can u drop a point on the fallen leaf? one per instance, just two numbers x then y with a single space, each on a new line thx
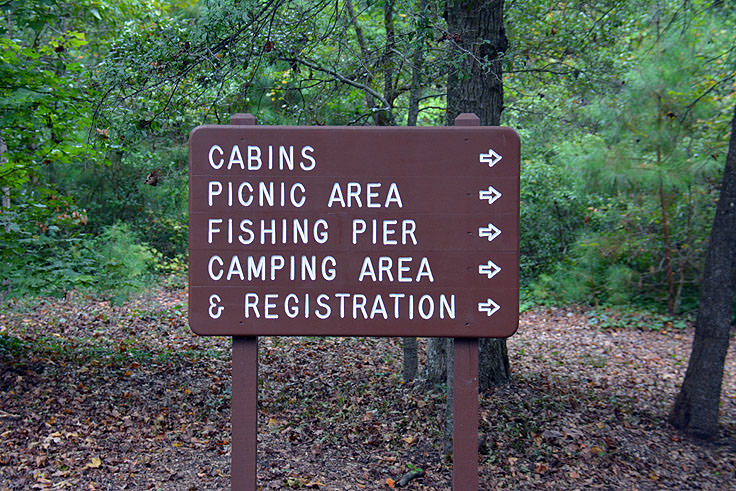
390 482
95 463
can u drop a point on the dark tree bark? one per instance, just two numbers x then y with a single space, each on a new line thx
386 115
411 360
696 407
417 67
478 41
493 363
449 411
410 344
5 190
436 366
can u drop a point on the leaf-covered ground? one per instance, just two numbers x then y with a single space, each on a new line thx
95 396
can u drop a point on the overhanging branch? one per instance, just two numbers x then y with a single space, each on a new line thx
341 78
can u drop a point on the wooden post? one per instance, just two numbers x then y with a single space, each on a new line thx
244 447
243 452
465 407
465 415
465 401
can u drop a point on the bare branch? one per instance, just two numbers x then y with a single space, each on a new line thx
341 78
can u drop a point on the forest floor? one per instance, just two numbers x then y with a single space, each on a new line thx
98 396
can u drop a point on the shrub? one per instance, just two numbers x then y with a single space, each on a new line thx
112 264
593 274
121 265
552 213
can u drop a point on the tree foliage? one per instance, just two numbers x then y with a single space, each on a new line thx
621 109
52 150
643 145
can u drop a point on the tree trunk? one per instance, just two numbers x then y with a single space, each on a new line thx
667 246
410 344
411 362
493 363
417 67
365 55
5 190
386 115
478 41
436 366
696 407
5 203
474 84
450 405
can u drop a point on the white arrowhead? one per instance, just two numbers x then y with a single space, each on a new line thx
489 307
491 158
489 269
491 231
491 195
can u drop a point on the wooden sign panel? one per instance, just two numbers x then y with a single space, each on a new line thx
354 231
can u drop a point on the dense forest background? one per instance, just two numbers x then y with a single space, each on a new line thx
623 109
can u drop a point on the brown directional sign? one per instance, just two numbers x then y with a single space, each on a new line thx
347 231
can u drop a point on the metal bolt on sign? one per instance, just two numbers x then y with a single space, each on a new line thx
354 231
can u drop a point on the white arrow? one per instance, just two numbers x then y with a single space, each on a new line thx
490 231
490 307
489 269
491 195
491 158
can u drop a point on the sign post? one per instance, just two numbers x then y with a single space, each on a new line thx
244 404
244 418
354 231
465 414
465 376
